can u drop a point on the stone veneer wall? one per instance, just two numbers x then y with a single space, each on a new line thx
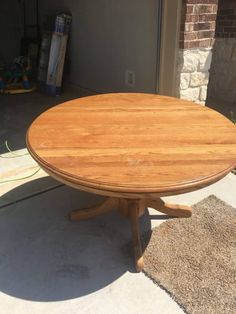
222 84
198 22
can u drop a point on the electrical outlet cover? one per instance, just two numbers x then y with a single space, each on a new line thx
130 78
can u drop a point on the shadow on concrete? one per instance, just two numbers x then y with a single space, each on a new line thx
28 190
45 257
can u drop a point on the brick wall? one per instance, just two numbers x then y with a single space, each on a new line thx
198 23
226 19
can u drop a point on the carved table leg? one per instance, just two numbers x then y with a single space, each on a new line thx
181 211
135 207
108 205
132 209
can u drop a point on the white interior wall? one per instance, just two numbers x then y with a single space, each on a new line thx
109 37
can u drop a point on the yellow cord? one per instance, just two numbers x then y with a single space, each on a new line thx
22 178
16 155
13 153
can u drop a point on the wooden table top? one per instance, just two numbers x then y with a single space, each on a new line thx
133 144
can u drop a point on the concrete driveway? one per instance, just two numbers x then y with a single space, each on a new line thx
51 265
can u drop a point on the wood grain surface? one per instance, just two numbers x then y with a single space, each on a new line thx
133 144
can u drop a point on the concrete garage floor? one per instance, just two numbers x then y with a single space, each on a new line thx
18 111
51 265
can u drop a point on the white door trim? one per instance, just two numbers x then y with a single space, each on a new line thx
169 47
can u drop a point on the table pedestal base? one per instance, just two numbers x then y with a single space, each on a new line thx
132 209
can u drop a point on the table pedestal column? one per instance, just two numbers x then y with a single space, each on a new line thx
132 209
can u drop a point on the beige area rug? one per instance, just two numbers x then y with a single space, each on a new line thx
194 259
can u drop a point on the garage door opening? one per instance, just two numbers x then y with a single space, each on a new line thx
114 45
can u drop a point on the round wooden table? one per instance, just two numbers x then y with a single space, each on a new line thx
133 148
